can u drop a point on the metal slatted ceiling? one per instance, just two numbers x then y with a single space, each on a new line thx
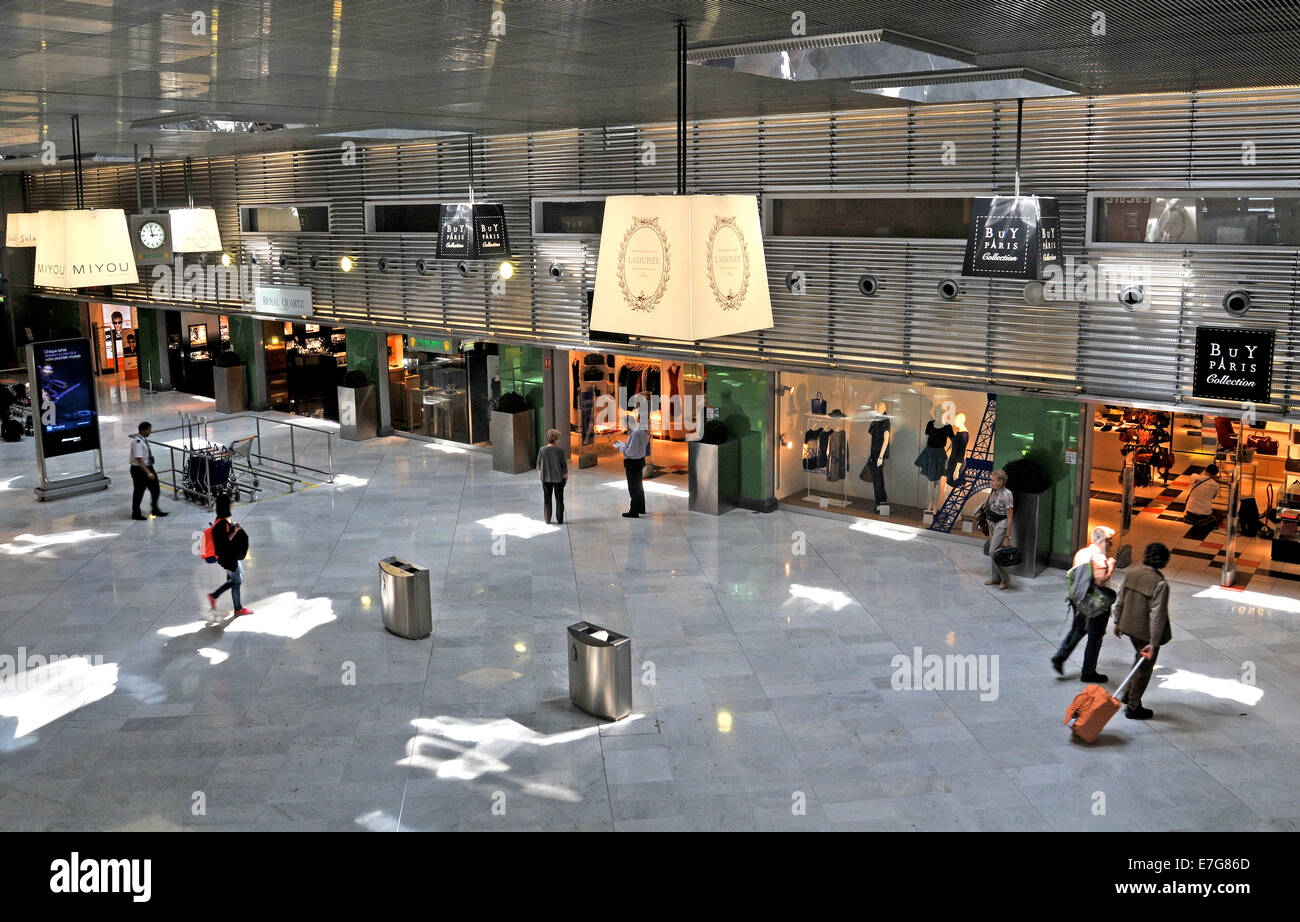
990 337
364 63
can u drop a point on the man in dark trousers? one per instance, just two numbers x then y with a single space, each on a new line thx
634 452
143 476
1142 615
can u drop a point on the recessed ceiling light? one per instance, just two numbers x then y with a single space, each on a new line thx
868 53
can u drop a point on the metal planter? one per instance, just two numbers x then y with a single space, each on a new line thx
228 389
512 442
713 476
1025 525
358 413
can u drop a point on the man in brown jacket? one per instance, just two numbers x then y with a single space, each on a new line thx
1142 615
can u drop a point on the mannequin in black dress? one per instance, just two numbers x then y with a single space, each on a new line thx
957 453
877 454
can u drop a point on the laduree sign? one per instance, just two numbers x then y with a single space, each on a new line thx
1233 364
1015 237
476 231
83 248
286 301
687 267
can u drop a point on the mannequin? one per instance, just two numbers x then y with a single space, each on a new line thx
933 459
878 454
957 457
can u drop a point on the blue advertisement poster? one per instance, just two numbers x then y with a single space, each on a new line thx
65 391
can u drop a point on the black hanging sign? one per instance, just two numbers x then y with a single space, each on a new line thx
475 231
1015 237
1233 364
456 231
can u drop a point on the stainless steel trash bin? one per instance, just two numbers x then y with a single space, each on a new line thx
600 671
404 590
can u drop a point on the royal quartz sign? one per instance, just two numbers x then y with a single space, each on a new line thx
1233 364
1014 237
686 267
293 301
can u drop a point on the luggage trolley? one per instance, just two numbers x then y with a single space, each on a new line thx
209 469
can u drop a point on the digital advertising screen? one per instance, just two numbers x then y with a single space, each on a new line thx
65 394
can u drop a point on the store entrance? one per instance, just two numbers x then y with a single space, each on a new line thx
603 387
305 364
443 389
1169 477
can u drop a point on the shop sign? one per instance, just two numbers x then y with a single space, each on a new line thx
476 231
65 397
1233 364
687 267
425 344
84 248
1015 237
288 301
20 230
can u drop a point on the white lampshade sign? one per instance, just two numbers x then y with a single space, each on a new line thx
683 267
194 230
83 248
20 230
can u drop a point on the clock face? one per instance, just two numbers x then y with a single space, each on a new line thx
152 235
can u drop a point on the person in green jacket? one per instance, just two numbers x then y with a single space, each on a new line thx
1142 615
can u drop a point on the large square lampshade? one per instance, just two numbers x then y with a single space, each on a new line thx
194 230
20 230
83 248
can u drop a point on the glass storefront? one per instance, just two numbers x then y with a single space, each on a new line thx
933 445
442 388
305 363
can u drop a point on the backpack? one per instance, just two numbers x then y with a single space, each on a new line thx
1083 595
208 550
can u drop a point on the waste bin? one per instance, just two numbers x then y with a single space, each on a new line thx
600 671
404 590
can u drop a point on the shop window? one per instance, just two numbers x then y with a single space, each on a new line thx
1200 218
403 217
929 217
568 217
284 219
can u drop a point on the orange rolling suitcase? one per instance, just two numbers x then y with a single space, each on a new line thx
1093 707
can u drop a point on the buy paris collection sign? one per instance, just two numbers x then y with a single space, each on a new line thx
1013 237
1233 364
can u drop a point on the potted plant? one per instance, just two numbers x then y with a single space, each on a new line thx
511 431
1028 478
228 383
358 407
713 476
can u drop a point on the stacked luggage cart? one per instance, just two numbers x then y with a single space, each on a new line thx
209 469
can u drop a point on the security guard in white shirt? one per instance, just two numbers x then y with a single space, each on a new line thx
143 476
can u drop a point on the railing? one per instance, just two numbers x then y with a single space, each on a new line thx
195 439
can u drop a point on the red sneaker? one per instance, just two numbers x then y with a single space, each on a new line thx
243 611
212 602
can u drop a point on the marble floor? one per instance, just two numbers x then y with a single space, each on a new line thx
766 696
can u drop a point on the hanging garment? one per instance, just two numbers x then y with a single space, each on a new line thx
810 450
587 403
957 456
652 380
577 381
837 455
823 448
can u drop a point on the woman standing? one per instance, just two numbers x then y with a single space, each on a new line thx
998 510
553 467
231 544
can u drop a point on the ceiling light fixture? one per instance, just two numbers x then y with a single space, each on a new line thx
966 85
841 56
346 263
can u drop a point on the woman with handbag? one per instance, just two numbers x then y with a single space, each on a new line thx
998 510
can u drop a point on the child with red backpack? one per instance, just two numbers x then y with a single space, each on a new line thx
228 547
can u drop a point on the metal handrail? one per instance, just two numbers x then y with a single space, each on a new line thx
293 462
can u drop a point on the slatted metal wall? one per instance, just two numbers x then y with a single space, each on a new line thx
989 337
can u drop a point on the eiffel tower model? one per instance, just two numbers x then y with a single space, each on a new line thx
975 473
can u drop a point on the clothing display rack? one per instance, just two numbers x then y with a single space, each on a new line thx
826 457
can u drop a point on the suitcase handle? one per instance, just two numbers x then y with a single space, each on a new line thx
1128 678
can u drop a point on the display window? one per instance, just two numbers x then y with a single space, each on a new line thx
304 367
1204 486
117 354
441 388
914 454
604 387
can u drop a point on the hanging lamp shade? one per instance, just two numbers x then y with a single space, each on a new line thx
83 248
20 230
1013 237
681 267
194 230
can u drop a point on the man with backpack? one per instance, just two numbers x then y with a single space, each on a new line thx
1090 598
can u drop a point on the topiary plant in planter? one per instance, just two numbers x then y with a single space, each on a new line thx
1028 474
358 407
511 431
229 359
716 432
512 402
355 378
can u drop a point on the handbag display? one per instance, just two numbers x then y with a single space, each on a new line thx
819 405
1263 444
1293 465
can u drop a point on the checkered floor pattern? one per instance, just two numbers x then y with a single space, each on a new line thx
1204 542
